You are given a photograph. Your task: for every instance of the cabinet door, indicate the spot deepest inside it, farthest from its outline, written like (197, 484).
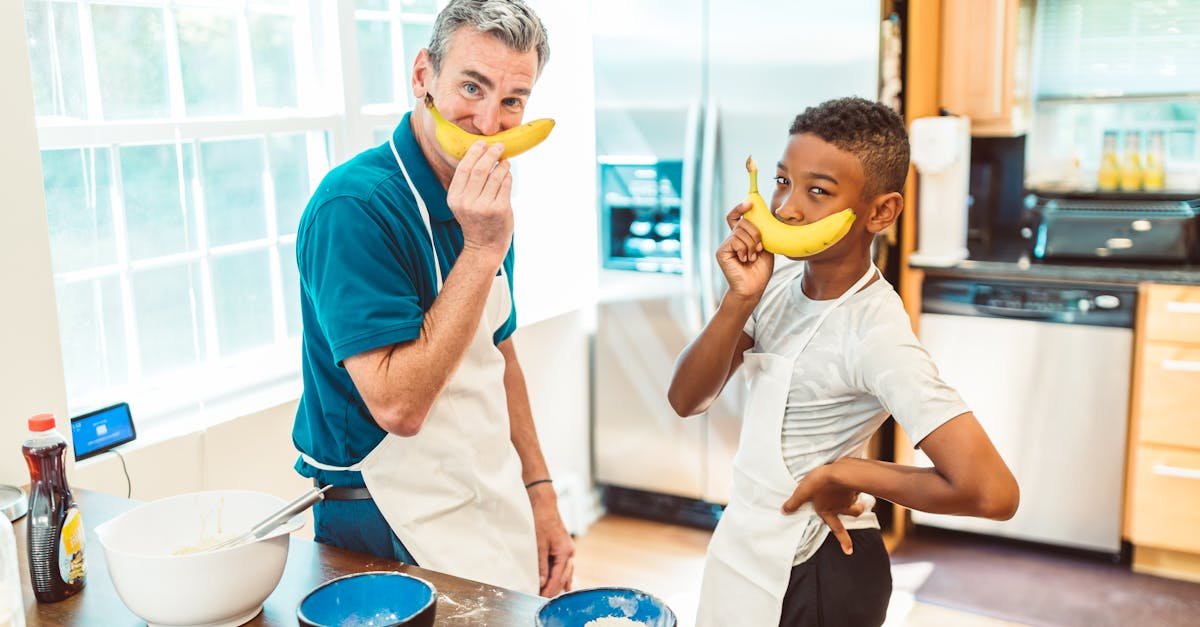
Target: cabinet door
(1166, 498)
(1168, 399)
(979, 50)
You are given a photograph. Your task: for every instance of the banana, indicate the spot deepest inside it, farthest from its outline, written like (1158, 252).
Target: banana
(516, 140)
(793, 240)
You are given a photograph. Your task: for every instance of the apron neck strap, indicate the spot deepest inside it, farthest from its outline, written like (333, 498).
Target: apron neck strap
(424, 211)
(854, 289)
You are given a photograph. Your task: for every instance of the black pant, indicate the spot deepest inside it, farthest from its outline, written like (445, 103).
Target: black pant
(833, 589)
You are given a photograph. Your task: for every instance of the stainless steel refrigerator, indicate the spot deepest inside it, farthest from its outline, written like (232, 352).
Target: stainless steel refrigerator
(685, 90)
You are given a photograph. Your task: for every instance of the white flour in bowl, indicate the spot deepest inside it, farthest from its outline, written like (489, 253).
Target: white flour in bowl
(614, 621)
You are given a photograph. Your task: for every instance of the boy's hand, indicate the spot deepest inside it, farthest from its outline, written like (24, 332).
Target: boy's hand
(746, 266)
(829, 500)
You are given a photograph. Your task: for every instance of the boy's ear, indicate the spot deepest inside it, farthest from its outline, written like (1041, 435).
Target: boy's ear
(884, 211)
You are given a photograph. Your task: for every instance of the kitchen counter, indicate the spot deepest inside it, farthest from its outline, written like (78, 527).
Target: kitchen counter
(460, 601)
(1010, 259)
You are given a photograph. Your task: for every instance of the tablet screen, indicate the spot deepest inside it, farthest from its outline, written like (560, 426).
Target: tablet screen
(100, 430)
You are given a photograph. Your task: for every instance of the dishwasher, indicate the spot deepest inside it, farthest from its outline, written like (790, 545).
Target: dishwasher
(1045, 367)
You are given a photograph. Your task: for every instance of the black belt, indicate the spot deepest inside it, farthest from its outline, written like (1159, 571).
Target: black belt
(338, 493)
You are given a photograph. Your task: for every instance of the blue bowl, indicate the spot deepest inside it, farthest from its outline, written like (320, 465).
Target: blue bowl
(576, 609)
(375, 599)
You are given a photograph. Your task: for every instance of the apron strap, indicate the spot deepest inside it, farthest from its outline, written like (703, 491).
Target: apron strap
(421, 206)
(854, 289)
(425, 215)
(316, 464)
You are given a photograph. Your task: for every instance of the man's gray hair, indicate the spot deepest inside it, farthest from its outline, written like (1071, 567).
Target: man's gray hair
(510, 21)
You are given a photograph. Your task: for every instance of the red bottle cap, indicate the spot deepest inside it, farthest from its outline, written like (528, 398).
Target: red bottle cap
(41, 422)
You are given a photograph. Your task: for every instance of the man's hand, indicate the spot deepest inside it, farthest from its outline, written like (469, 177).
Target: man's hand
(480, 198)
(556, 550)
(746, 266)
(829, 500)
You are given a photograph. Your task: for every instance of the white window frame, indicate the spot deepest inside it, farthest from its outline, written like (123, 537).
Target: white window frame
(328, 81)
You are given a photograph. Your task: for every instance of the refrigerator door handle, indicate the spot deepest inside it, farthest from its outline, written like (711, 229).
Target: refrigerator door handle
(689, 217)
(705, 222)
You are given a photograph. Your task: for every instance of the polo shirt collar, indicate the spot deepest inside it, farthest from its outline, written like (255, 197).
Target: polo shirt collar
(422, 175)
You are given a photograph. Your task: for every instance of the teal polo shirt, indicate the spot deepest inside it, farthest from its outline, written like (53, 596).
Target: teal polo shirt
(367, 278)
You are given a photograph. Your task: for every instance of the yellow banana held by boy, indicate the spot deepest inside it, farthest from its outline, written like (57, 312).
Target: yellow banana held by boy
(793, 240)
(516, 140)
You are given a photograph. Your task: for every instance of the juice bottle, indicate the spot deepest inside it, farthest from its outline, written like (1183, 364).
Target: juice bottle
(1110, 169)
(55, 540)
(1154, 172)
(1131, 162)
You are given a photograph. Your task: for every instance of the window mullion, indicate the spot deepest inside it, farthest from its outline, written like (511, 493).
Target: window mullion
(399, 71)
(356, 132)
(121, 235)
(277, 313)
(246, 59)
(174, 63)
(91, 69)
(207, 308)
(304, 37)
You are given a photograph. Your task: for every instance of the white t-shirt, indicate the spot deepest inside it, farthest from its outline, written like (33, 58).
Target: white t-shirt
(863, 364)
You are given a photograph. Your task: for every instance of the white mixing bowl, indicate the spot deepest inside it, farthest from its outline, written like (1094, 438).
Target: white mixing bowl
(158, 576)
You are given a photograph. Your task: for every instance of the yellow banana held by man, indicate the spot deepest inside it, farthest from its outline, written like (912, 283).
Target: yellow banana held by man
(793, 240)
(516, 140)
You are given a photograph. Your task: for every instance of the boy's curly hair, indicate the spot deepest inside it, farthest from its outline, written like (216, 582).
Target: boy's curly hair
(868, 130)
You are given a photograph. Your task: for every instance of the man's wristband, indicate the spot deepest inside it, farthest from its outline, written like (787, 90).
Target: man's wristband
(539, 481)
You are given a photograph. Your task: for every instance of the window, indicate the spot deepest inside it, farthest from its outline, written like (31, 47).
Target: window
(180, 141)
(1132, 68)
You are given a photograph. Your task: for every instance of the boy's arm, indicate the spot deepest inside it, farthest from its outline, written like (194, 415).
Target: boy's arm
(968, 478)
(707, 363)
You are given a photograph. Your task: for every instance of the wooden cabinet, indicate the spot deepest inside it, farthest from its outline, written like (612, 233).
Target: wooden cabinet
(985, 64)
(1162, 513)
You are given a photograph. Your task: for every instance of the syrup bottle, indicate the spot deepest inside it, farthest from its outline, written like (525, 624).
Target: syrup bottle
(55, 527)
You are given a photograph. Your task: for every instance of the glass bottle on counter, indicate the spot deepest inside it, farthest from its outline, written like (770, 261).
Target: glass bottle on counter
(1110, 168)
(12, 607)
(1154, 171)
(1131, 162)
(55, 527)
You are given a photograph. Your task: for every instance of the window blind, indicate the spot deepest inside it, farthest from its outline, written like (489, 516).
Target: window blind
(1114, 48)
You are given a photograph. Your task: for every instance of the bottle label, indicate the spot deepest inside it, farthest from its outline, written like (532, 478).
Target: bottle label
(70, 549)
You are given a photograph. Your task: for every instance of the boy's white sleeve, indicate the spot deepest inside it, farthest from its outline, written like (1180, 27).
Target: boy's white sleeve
(899, 372)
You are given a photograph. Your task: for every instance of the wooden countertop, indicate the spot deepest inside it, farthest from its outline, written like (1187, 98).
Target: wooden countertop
(460, 601)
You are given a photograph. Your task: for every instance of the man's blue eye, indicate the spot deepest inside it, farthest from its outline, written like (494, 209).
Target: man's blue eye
(471, 88)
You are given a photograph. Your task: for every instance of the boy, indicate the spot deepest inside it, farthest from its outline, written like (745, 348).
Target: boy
(829, 353)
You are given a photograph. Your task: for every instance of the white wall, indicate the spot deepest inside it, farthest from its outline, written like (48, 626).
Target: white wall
(556, 269)
(554, 185)
(31, 372)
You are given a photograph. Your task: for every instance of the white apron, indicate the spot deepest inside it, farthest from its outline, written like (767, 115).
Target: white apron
(454, 493)
(750, 557)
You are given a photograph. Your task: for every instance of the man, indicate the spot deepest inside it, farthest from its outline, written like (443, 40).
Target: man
(414, 404)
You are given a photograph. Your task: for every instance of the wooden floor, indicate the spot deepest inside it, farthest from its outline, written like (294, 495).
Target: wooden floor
(666, 561)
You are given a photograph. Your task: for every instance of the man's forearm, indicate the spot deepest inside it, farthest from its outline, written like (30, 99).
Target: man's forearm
(522, 430)
(703, 367)
(917, 488)
(400, 383)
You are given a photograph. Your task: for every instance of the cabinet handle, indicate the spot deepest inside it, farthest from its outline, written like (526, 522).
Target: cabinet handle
(1181, 365)
(1183, 307)
(1175, 471)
